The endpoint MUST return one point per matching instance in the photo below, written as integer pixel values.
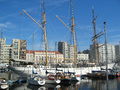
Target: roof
(29, 51)
(56, 52)
(32, 51)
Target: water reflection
(93, 85)
(32, 87)
(45, 87)
(83, 85)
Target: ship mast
(73, 31)
(44, 31)
(106, 50)
(43, 27)
(95, 43)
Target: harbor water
(83, 85)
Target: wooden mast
(43, 27)
(44, 31)
(95, 43)
(73, 32)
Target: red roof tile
(32, 51)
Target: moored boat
(65, 78)
(101, 75)
(36, 80)
(3, 84)
(52, 79)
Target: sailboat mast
(74, 39)
(73, 31)
(44, 31)
(43, 27)
(106, 50)
(95, 44)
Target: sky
(15, 24)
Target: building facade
(23, 46)
(40, 56)
(71, 52)
(5, 51)
(117, 51)
(19, 49)
(67, 50)
(83, 57)
(102, 53)
(63, 48)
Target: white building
(19, 49)
(30, 55)
(71, 52)
(16, 48)
(67, 50)
(102, 53)
(5, 51)
(111, 53)
(83, 57)
(40, 56)
(59, 57)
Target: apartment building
(64, 49)
(102, 53)
(5, 51)
(19, 49)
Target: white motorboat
(52, 79)
(3, 84)
(36, 80)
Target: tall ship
(46, 68)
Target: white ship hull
(42, 71)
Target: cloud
(2, 25)
(7, 25)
